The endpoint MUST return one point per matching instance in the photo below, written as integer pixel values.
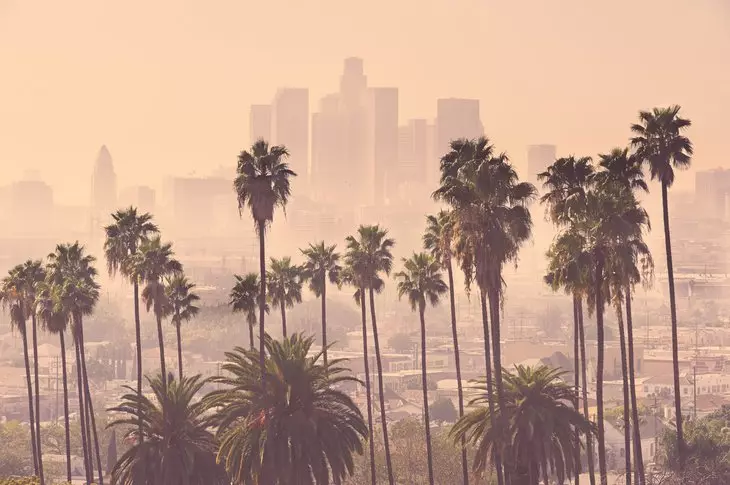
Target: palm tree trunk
(366, 363)
(250, 335)
(638, 455)
(37, 399)
(494, 307)
(675, 343)
(283, 319)
(179, 351)
(90, 427)
(576, 384)
(490, 392)
(138, 336)
(90, 410)
(457, 363)
(584, 377)
(82, 412)
(602, 470)
(324, 321)
(31, 408)
(261, 226)
(65, 407)
(161, 342)
(379, 364)
(424, 384)
(625, 379)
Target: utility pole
(57, 366)
(694, 390)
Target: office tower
(139, 196)
(31, 207)
(200, 205)
(327, 164)
(103, 184)
(381, 145)
(712, 192)
(413, 150)
(290, 127)
(353, 84)
(539, 158)
(456, 118)
(260, 122)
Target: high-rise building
(290, 127)
(539, 158)
(327, 163)
(456, 118)
(103, 183)
(712, 192)
(139, 196)
(381, 145)
(260, 122)
(31, 207)
(413, 150)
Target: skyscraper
(290, 127)
(539, 158)
(260, 122)
(381, 145)
(103, 183)
(456, 118)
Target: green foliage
(20, 481)
(401, 343)
(443, 409)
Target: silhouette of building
(712, 193)
(413, 151)
(260, 122)
(539, 158)
(199, 204)
(290, 127)
(381, 145)
(456, 118)
(139, 196)
(31, 207)
(327, 148)
(103, 183)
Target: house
(651, 429)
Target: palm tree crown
(370, 253)
(565, 183)
(421, 281)
(180, 298)
(439, 234)
(294, 426)
(175, 444)
(244, 296)
(284, 282)
(151, 263)
(263, 181)
(321, 264)
(124, 236)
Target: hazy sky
(167, 84)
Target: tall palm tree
(244, 298)
(262, 184)
(284, 286)
(660, 143)
(123, 238)
(181, 306)
(421, 281)
(12, 296)
(371, 253)
(73, 271)
(353, 275)
(292, 427)
(438, 240)
(540, 426)
(152, 263)
(322, 264)
(178, 444)
(565, 183)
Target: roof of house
(651, 427)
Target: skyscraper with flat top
(290, 127)
(456, 118)
(381, 145)
(260, 122)
(539, 158)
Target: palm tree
(352, 275)
(177, 445)
(181, 300)
(73, 271)
(541, 426)
(322, 264)
(565, 183)
(371, 253)
(244, 298)
(284, 286)
(123, 238)
(421, 281)
(660, 143)
(13, 298)
(53, 320)
(152, 263)
(262, 184)
(438, 240)
(292, 427)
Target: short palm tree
(54, 321)
(539, 438)
(322, 264)
(177, 445)
(284, 286)
(263, 183)
(244, 298)
(13, 297)
(421, 282)
(291, 427)
(370, 253)
(660, 143)
(181, 302)
(152, 263)
(123, 238)
(73, 271)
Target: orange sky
(167, 84)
